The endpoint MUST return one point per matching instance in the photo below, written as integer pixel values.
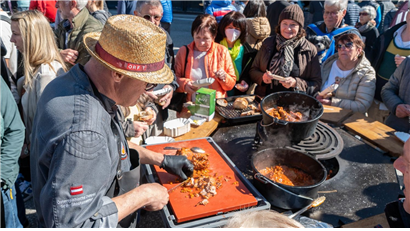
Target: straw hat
(132, 46)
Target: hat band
(121, 64)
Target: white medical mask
(232, 34)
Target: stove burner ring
(324, 144)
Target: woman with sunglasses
(353, 74)
(287, 54)
(367, 28)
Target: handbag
(178, 98)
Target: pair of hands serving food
(219, 74)
(286, 82)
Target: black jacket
(273, 13)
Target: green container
(204, 104)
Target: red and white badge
(76, 190)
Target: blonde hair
(38, 41)
(261, 219)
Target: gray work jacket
(75, 146)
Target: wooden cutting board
(335, 115)
(376, 133)
(233, 194)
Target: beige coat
(29, 100)
(356, 91)
(258, 30)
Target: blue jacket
(218, 9)
(167, 7)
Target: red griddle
(233, 195)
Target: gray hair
(154, 3)
(261, 219)
(341, 4)
(370, 10)
(81, 4)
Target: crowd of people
(74, 76)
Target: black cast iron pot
(285, 196)
(294, 131)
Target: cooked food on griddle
(222, 102)
(203, 183)
(240, 103)
(287, 175)
(286, 115)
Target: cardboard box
(204, 104)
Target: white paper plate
(177, 127)
(196, 120)
(403, 136)
(162, 91)
(203, 82)
(158, 140)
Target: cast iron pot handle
(275, 120)
(261, 178)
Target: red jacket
(217, 57)
(47, 7)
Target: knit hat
(294, 13)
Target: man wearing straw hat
(84, 174)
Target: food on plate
(243, 86)
(287, 175)
(240, 103)
(287, 115)
(222, 102)
(160, 103)
(250, 113)
(203, 183)
(145, 116)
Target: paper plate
(203, 82)
(158, 140)
(177, 127)
(196, 120)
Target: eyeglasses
(348, 45)
(150, 86)
(155, 17)
(331, 13)
(363, 13)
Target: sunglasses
(348, 45)
(363, 13)
(150, 86)
(155, 17)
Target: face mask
(232, 34)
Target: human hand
(398, 59)
(220, 74)
(289, 82)
(157, 196)
(324, 101)
(153, 118)
(165, 100)
(266, 78)
(242, 87)
(190, 89)
(69, 55)
(139, 128)
(178, 165)
(403, 110)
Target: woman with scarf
(287, 54)
(367, 28)
(232, 35)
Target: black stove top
(325, 142)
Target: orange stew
(286, 115)
(287, 175)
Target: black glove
(178, 165)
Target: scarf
(282, 62)
(234, 52)
(364, 28)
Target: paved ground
(181, 35)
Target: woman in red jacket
(205, 59)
